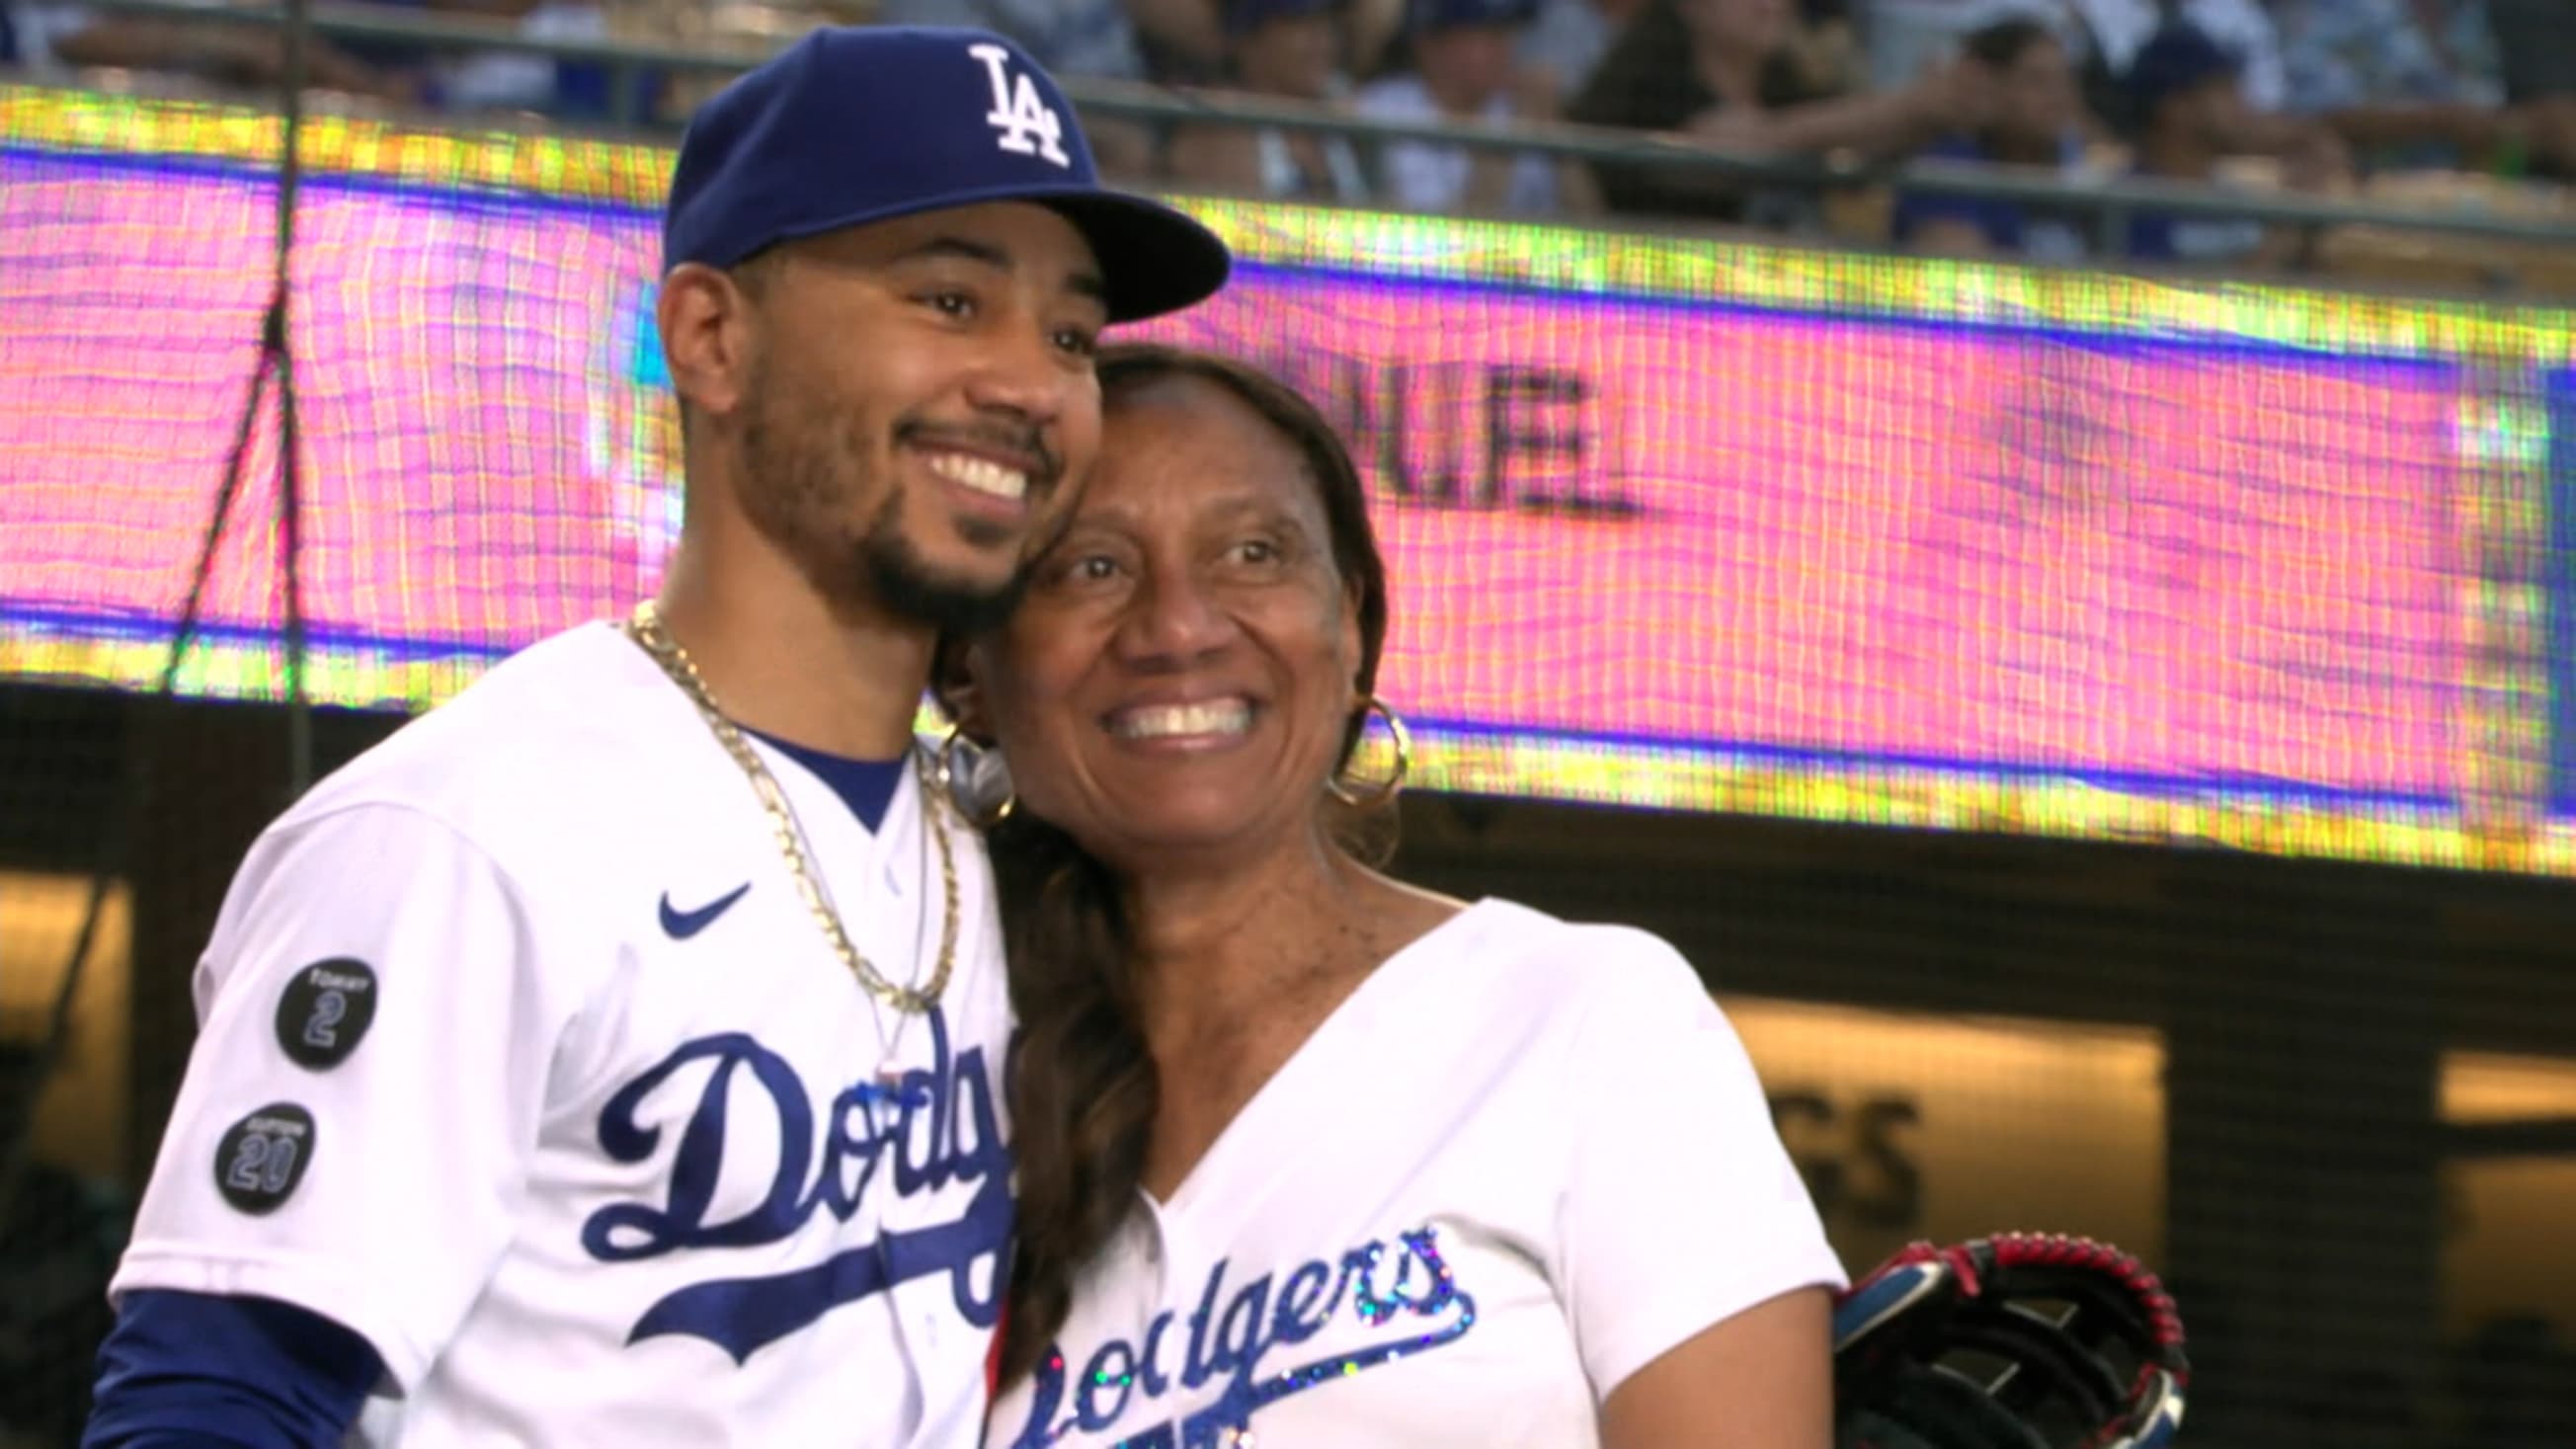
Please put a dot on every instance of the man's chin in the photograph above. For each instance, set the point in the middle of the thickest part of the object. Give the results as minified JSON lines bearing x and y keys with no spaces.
{"x":991,"y":536}
{"x":948,"y":603}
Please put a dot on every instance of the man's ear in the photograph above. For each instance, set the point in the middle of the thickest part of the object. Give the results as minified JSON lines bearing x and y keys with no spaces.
{"x":705,"y":323}
{"x":954,"y":684}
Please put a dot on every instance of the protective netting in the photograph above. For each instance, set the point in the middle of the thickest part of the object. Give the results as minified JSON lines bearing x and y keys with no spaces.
{"x":2067,"y":576}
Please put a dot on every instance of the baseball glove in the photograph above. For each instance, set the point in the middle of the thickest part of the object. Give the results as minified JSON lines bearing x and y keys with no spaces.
{"x":2018,"y":1341}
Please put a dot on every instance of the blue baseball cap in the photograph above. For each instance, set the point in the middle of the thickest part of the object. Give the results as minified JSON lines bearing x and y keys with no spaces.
{"x":858,"y":124}
{"x":2178,"y":59}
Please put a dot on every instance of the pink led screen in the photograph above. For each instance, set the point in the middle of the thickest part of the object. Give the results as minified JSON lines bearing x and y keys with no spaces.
{"x":1628,"y":519}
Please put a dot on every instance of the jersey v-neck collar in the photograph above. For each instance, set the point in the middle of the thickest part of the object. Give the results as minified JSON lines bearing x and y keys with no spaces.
{"x":1324,"y":1049}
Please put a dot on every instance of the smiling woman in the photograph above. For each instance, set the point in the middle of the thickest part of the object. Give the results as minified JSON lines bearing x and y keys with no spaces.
{"x":1205,"y":633}
{"x":1304,"y":1151}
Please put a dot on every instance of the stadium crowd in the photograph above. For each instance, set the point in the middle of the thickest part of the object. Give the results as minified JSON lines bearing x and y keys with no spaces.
{"x":2314,"y":96}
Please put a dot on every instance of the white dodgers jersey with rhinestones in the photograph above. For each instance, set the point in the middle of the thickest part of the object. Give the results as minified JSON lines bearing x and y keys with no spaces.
{"x":1522,"y":1160}
{"x":521,"y":1056}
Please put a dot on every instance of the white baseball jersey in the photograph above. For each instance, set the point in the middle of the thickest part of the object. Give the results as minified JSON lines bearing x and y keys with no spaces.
{"x":522,"y":1057}
{"x":1523,"y":1159}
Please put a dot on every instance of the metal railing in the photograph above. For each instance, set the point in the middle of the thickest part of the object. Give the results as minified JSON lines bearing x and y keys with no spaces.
{"x":2109,"y":203}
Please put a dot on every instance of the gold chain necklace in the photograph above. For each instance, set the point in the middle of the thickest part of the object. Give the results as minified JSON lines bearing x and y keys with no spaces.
{"x":645,"y":628}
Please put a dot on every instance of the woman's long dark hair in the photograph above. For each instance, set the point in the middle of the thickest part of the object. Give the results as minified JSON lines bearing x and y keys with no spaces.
{"x":1082,"y":1084}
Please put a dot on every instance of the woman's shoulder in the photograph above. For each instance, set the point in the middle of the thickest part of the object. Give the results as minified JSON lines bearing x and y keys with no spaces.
{"x":1542,"y":959}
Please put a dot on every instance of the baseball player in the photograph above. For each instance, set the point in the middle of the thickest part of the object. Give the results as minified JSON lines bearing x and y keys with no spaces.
{"x":614,"y":1055}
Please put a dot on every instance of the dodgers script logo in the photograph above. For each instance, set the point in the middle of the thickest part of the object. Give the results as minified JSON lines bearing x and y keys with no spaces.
{"x":1028,"y":125}
{"x":936,"y":1128}
{"x":1392,"y":1291}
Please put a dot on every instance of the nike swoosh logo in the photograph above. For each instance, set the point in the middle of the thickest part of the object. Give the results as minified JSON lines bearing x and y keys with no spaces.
{"x":681,"y":925}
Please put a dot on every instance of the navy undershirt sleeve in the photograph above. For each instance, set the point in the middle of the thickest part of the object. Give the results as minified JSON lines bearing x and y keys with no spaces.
{"x":199,"y":1370}
{"x":866,"y":786}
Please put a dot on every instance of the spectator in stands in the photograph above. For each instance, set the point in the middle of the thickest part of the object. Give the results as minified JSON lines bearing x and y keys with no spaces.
{"x":56,"y":37}
{"x":2109,"y":35}
{"x":1824,"y":43}
{"x":1290,"y":49}
{"x":1068,"y":37}
{"x":2188,"y":94}
{"x":1464,"y":71}
{"x":1102,"y":39}
{"x":2418,"y":82}
{"x":507,"y":81}
{"x":49,"y":40}
{"x":1570,"y":37}
{"x":1723,"y":72}
{"x":2037,"y":123}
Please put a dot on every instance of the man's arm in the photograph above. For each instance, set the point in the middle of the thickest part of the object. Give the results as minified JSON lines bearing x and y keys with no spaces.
{"x":376,"y":1026}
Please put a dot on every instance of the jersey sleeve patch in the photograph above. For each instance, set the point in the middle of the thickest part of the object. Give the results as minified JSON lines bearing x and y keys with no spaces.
{"x":325,"y":1011}
{"x":263,"y":1156}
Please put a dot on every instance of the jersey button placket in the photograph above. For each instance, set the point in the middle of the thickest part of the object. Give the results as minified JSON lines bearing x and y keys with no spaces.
{"x":1156,"y":1247}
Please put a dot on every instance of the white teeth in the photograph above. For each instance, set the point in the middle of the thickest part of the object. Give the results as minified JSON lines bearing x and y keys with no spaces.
{"x":981,"y":474}
{"x":1162,"y":721}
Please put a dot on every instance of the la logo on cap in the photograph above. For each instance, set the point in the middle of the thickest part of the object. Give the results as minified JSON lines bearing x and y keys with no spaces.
{"x":1026,"y":123}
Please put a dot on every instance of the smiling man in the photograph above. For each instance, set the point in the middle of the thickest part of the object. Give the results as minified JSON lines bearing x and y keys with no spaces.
{"x":614,"y":1055}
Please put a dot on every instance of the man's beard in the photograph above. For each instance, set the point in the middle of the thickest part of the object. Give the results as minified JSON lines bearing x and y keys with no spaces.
{"x":799,"y":496}
{"x":902,"y":583}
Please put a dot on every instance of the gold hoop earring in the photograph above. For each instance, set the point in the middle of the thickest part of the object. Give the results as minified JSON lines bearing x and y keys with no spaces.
{"x":1386,"y":790}
{"x":971,"y":797}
